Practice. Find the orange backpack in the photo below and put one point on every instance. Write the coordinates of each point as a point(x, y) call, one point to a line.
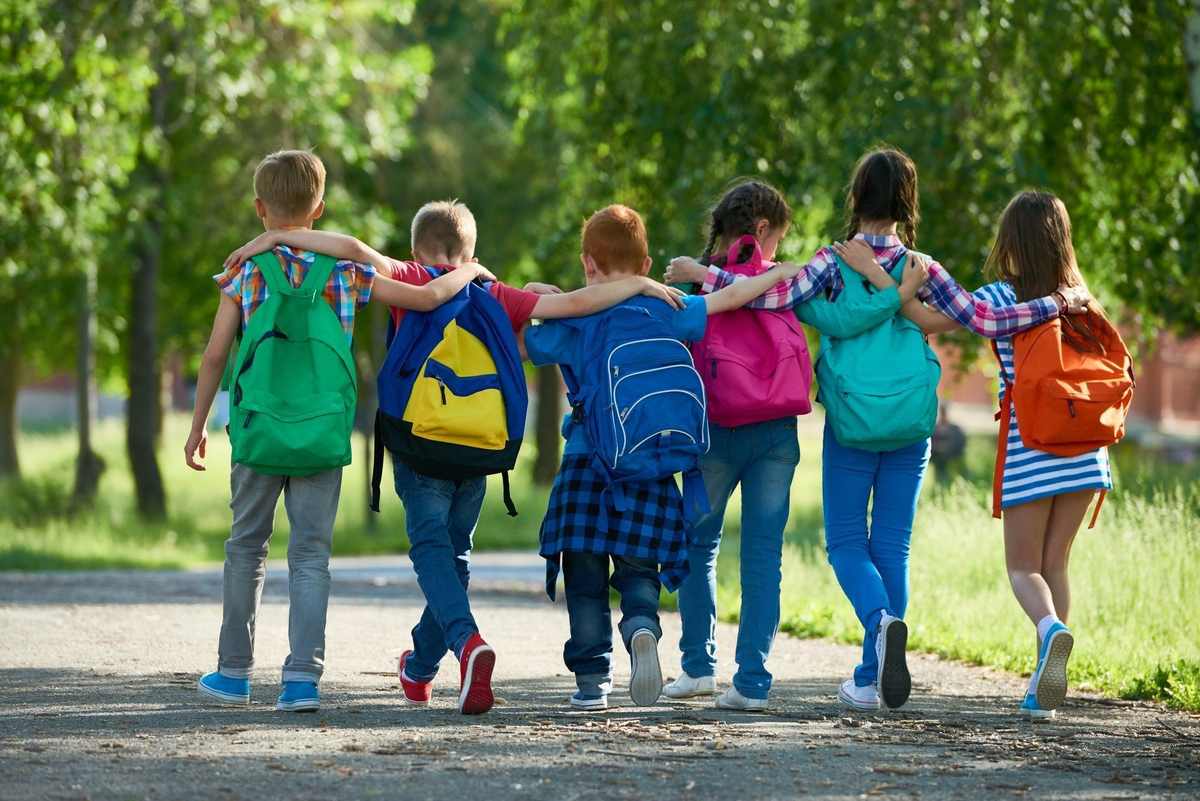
point(1071, 402)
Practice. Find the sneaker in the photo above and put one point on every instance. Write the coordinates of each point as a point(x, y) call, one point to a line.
point(894, 681)
point(416, 693)
point(475, 666)
point(225, 690)
point(864, 699)
point(1050, 679)
point(299, 696)
point(732, 699)
point(688, 687)
point(645, 680)
point(588, 703)
point(1030, 710)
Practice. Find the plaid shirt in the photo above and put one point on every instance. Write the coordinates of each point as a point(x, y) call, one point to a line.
point(347, 291)
point(940, 291)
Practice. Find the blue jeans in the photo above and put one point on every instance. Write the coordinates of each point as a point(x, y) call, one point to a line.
point(588, 654)
point(762, 457)
point(440, 516)
point(871, 562)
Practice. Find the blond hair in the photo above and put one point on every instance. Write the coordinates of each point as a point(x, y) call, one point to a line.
point(290, 183)
point(444, 226)
point(615, 237)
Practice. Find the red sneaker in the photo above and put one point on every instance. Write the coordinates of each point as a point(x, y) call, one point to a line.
point(476, 664)
point(416, 693)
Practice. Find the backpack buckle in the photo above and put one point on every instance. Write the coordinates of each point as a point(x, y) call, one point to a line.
point(577, 413)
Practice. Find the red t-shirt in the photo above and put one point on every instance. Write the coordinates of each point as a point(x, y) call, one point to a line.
point(517, 303)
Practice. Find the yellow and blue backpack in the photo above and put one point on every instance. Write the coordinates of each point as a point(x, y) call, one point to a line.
point(452, 393)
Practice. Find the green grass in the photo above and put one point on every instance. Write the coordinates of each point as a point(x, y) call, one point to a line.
point(1135, 577)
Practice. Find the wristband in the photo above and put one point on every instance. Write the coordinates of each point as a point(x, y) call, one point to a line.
point(1063, 300)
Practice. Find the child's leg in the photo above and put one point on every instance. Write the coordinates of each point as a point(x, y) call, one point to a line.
point(1024, 540)
point(698, 595)
point(427, 504)
point(766, 501)
point(1066, 516)
point(429, 641)
point(254, 497)
point(588, 654)
point(847, 477)
point(897, 488)
point(638, 584)
point(311, 503)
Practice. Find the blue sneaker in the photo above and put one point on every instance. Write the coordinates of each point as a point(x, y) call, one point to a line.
point(224, 689)
point(1050, 680)
point(589, 703)
point(299, 696)
point(1031, 711)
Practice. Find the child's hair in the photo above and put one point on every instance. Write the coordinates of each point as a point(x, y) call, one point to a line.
point(290, 183)
point(738, 211)
point(615, 237)
point(1033, 252)
point(445, 226)
point(884, 187)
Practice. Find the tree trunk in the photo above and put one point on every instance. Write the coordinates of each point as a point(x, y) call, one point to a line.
point(1191, 54)
point(88, 465)
point(549, 423)
point(10, 384)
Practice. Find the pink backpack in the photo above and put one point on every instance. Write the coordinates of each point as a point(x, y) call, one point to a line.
point(754, 363)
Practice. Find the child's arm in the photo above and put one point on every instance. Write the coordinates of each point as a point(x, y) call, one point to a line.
point(428, 297)
point(212, 367)
point(742, 292)
point(599, 297)
point(340, 246)
point(804, 286)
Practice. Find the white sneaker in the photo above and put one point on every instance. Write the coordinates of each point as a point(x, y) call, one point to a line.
point(864, 699)
point(894, 681)
point(687, 687)
point(645, 681)
point(732, 699)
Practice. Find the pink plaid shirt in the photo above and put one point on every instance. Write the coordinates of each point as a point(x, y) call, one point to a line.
point(940, 291)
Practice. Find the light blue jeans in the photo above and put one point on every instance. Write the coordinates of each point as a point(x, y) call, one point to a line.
point(871, 561)
point(440, 516)
point(762, 457)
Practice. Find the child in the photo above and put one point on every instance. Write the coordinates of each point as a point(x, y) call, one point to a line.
point(441, 515)
point(871, 560)
point(648, 542)
point(289, 186)
point(1045, 497)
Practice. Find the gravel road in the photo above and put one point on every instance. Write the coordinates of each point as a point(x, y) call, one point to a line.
point(97, 700)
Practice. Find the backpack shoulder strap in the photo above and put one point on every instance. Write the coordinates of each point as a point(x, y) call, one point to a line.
point(318, 274)
point(272, 271)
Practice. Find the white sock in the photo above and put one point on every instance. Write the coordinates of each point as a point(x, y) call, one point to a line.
point(1044, 625)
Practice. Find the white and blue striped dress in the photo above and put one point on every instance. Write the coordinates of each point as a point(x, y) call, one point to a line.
point(1030, 474)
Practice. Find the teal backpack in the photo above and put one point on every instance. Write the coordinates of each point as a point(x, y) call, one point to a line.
point(879, 388)
point(293, 388)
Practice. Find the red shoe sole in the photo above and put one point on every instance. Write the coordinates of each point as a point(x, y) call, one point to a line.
point(476, 696)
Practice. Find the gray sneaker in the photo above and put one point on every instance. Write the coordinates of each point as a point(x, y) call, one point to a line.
point(645, 683)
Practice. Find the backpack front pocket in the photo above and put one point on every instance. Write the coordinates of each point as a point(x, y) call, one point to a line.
point(1083, 413)
point(459, 410)
point(271, 432)
point(657, 401)
point(876, 417)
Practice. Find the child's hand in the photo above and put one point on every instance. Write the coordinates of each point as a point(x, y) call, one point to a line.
point(197, 441)
point(916, 271)
point(685, 270)
point(653, 289)
point(539, 288)
point(858, 255)
point(481, 272)
point(259, 244)
point(787, 270)
point(1077, 298)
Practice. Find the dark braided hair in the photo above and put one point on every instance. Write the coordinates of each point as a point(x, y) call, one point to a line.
point(738, 212)
point(884, 188)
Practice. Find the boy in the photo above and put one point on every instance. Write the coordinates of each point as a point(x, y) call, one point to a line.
point(289, 186)
point(441, 515)
point(614, 248)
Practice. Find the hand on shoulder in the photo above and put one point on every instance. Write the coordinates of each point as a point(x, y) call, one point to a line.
point(858, 255)
point(685, 270)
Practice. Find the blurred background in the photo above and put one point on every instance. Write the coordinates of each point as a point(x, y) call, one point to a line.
point(129, 132)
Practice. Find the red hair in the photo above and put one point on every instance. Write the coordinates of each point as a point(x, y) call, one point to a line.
point(615, 237)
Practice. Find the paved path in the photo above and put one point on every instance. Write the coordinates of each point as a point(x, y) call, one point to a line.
point(97, 672)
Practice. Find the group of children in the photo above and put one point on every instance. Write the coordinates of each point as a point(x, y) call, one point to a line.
point(645, 534)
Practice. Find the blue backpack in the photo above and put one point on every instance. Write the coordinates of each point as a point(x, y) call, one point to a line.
point(452, 393)
point(640, 401)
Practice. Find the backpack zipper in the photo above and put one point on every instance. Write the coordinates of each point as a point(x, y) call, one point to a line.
point(246, 424)
point(442, 387)
point(1071, 406)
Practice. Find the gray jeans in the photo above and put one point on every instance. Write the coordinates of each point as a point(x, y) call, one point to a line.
point(311, 503)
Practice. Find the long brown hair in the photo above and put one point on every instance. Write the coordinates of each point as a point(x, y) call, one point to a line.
point(884, 187)
point(1033, 252)
point(738, 211)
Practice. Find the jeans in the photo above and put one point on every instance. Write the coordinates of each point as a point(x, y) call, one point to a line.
point(762, 457)
point(871, 563)
point(440, 515)
point(588, 654)
point(311, 503)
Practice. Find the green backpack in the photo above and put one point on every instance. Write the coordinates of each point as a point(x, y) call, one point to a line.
point(879, 388)
point(293, 389)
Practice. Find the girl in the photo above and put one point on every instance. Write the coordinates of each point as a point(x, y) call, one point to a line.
point(1044, 497)
point(871, 560)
